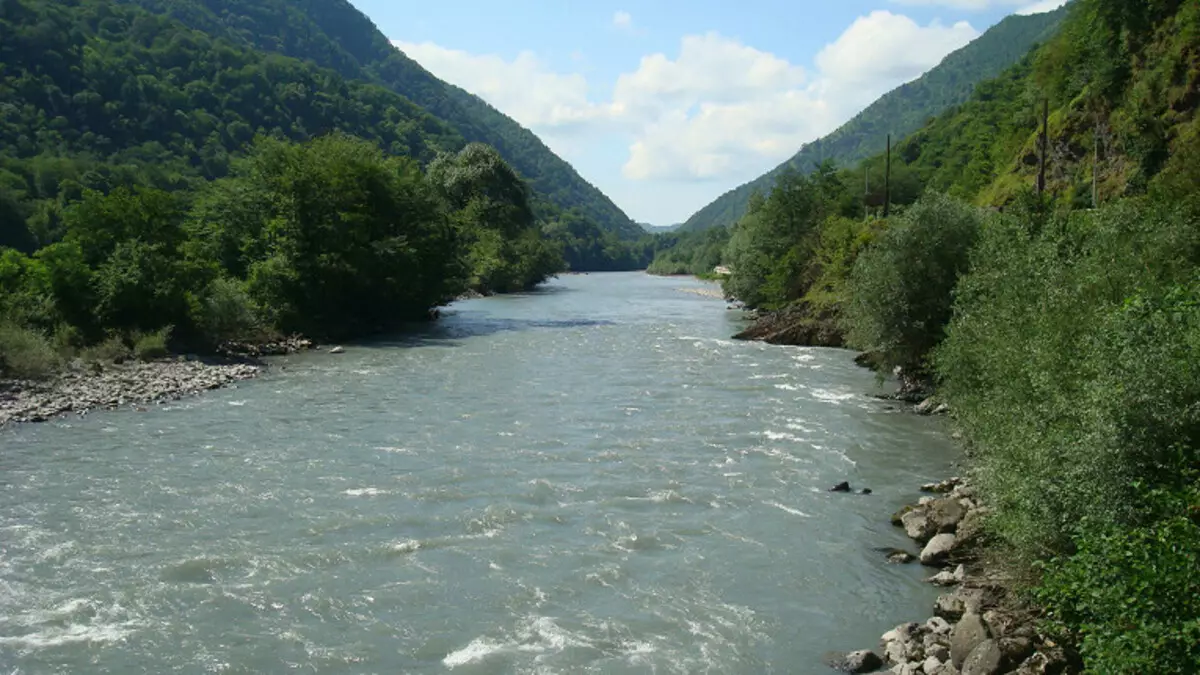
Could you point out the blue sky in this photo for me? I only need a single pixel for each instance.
(665, 105)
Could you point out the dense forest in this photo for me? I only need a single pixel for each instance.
(1061, 323)
(102, 94)
(333, 34)
(161, 184)
(899, 112)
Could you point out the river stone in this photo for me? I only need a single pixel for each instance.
(967, 634)
(943, 578)
(938, 549)
(938, 626)
(862, 661)
(949, 606)
(917, 525)
(840, 487)
(337, 350)
(986, 659)
(932, 665)
(946, 514)
(906, 669)
(1015, 649)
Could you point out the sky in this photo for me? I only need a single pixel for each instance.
(666, 104)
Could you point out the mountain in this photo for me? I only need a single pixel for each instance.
(99, 95)
(334, 34)
(899, 112)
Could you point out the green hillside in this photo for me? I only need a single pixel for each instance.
(1058, 320)
(899, 112)
(333, 34)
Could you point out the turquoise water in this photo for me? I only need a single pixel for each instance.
(589, 478)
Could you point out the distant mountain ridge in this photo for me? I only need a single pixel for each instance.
(900, 112)
(334, 34)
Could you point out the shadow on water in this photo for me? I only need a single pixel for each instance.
(458, 325)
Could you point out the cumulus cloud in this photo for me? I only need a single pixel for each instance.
(623, 20)
(717, 108)
(1041, 7)
(523, 88)
(1022, 6)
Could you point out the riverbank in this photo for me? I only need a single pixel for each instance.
(81, 389)
(979, 627)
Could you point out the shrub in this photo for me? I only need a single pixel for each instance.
(902, 285)
(153, 345)
(111, 350)
(227, 312)
(1130, 598)
(26, 354)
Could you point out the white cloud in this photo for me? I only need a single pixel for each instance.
(717, 109)
(750, 109)
(1023, 6)
(1042, 7)
(523, 88)
(623, 20)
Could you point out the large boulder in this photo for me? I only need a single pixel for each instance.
(986, 659)
(949, 606)
(938, 549)
(918, 525)
(967, 634)
(945, 514)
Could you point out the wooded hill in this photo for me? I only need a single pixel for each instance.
(899, 112)
(334, 34)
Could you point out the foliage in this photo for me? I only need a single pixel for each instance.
(696, 253)
(331, 238)
(25, 353)
(111, 349)
(1070, 364)
(1131, 597)
(900, 112)
(902, 287)
(335, 238)
(492, 209)
(1063, 363)
(770, 248)
(152, 345)
(336, 36)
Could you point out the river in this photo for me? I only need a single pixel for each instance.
(588, 478)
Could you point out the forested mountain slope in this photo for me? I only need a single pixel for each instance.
(333, 34)
(899, 112)
(98, 95)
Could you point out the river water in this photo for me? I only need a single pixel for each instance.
(589, 478)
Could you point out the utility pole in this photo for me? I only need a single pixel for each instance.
(887, 181)
(1045, 141)
(1096, 167)
(866, 192)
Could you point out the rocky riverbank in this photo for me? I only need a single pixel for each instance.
(83, 388)
(798, 325)
(977, 628)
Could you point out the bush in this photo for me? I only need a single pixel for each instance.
(150, 346)
(227, 313)
(26, 354)
(112, 350)
(1071, 365)
(902, 286)
(1130, 598)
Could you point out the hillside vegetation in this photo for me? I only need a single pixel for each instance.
(333, 34)
(899, 112)
(159, 183)
(1060, 326)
